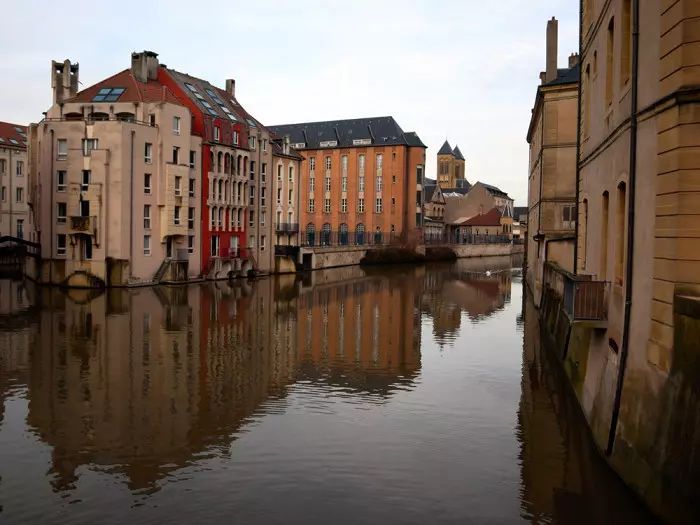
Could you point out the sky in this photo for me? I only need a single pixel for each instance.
(462, 70)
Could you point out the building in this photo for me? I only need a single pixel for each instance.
(15, 219)
(358, 176)
(450, 166)
(552, 172)
(434, 209)
(249, 199)
(114, 189)
(520, 222)
(491, 223)
(479, 200)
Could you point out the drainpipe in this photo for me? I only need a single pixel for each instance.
(9, 167)
(131, 207)
(51, 191)
(630, 230)
(578, 129)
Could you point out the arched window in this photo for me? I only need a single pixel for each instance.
(212, 168)
(220, 163)
(226, 195)
(326, 235)
(343, 234)
(221, 217)
(310, 234)
(227, 162)
(241, 195)
(238, 165)
(360, 234)
(584, 234)
(620, 231)
(221, 190)
(240, 218)
(212, 217)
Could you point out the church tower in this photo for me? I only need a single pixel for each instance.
(450, 166)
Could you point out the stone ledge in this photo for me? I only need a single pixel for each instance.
(687, 305)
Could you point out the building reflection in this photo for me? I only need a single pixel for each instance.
(142, 383)
(476, 288)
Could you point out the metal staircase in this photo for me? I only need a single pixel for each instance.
(160, 272)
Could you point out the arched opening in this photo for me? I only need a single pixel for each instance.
(326, 234)
(227, 164)
(73, 116)
(343, 234)
(226, 194)
(221, 217)
(212, 168)
(98, 116)
(360, 234)
(240, 195)
(310, 234)
(212, 217)
(604, 225)
(221, 190)
(240, 218)
(238, 165)
(220, 162)
(126, 117)
(620, 232)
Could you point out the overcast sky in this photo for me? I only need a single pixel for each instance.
(465, 70)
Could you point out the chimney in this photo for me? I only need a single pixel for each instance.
(64, 80)
(231, 87)
(542, 77)
(144, 66)
(573, 60)
(285, 147)
(552, 49)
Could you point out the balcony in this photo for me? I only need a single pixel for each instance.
(87, 225)
(583, 298)
(286, 251)
(287, 227)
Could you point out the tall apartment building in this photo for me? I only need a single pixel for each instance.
(15, 219)
(360, 180)
(552, 171)
(450, 167)
(116, 191)
(248, 199)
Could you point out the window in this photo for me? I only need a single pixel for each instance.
(176, 215)
(379, 205)
(215, 246)
(108, 95)
(328, 163)
(147, 153)
(152, 119)
(279, 195)
(343, 205)
(393, 201)
(146, 216)
(193, 159)
(252, 170)
(568, 216)
(190, 244)
(176, 125)
(263, 216)
(312, 183)
(61, 244)
(85, 180)
(327, 206)
(251, 218)
(380, 161)
(88, 146)
(362, 183)
(263, 172)
(3, 197)
(620, 232)
(193, 183)
(147, 183)
(328, 184)
(344, 184)
(312, 207)
(2, 166)
(379, 183)
(291, 174)
(602, 273)
(312, 164)
(147, 245)
(84, 208)
(584, 233)
(626, 55)
(20, 195)
(361, 205)
(61, 181)
(235, 138)
(393, 179)
(251, 241)
(291, 197)
(20, 168)
(361, 163)
(251, 142)
(262, 196)
(252, 195)
(62, 149)
(586, 95)
(251, 123)
(178, 186)
(176, 155)
(609, 67)
(217, 134)
(61, 212)
(279, 173)
(221, 224)
(264, 144)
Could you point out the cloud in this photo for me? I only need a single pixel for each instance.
(465, 70)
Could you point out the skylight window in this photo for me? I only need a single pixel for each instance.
(214, 97)
(108, 95)
(252, 124)
(2, 139)
(191, 87)
(210, 109)
(13, 141)
(18, 129)
(229, 114)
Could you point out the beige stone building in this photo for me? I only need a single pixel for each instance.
(116, 190)
(480, 199)
(434, 210)
(450, 166)
(552, 173)
(15, 219)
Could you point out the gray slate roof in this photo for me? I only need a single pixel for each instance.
(493, 190)
(446, 149)
(429, 190)
(566, 76)
(458, 154)
(379, 131)
(519, 210)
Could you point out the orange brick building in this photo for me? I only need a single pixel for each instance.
(359, 178)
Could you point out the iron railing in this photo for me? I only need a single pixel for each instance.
(583, 298)
(341, 238)
(453, 238)
(181, 254)
(287, 227)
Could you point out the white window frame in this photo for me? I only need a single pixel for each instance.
(263, 217)
(147, 245)
(192, 187)
(176, 125)
(61, 186)
(19, 167)
(343, 205)
(19, 195)
(329, 163)
(178, 186)
(344, 184)
(147, 178)
(193, 162)
(380, 183)
(327, 206)
(61, 219)
(177, 215)
(361, 185)
(312, 164)
(312, 205)
(378, 205)
(148, 153)
(361, 205)
(146, 216)
(89, 145)
(251, 142)
(61, 250)
(328, 184)
(62, 155)
(380, 161)
(84, 186)
(264, 144)
(262, 243)
(312, 183)
(217, 134)
(235, 138)
(279, 173)
(190, 244)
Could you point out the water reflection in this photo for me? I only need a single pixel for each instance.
(324, 394)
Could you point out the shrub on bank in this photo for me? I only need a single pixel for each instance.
(440, 253)
(392, 256)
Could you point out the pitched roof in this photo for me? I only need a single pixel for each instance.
(360, 132)
(13, 136)
(134, 91)
(458, 154)
(493, 190)
(429, 190)
(490, 218)
(519, 210)
(277, 150)
(566, 76)
(446, 149)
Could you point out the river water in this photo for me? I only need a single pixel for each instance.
(396, 395)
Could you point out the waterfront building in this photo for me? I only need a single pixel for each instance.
(479, 200)
(358, 176)
(450, 166)
(249, 178)
(520, 222)
(15, 219)
(552, 172)
(114, 189)
(434, 209)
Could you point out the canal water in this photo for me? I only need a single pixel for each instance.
(393, 395)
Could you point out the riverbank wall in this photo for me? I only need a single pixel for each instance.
(655, 444)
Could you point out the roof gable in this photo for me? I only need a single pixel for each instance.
(446, 149)
(458, 154)
(490, 218)
(134, 90)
